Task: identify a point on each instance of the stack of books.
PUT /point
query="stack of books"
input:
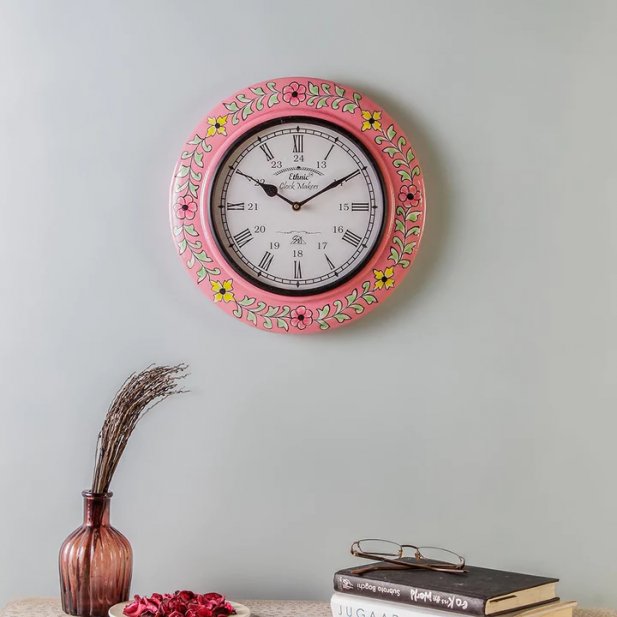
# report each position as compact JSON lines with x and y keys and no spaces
{"x":414,"y":592}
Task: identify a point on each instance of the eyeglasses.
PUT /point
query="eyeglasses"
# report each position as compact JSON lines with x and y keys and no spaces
{"x":395,"y":556}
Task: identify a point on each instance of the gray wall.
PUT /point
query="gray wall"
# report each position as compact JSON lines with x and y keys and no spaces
{"x":475,"y":410}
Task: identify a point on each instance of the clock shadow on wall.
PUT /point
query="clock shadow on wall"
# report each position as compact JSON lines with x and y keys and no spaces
{"x":436,"y":232}
{"x":298,"y":206}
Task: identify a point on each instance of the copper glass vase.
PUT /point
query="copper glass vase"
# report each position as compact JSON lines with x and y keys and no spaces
{"x":96,"y":562}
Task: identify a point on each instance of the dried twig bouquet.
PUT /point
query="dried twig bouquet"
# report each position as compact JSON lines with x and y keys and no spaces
{"x":140,"y":393}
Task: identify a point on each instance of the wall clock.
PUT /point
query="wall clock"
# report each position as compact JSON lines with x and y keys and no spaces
{"x":297,"y":205}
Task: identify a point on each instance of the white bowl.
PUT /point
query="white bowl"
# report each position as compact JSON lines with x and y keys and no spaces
{"x":241,"y":610}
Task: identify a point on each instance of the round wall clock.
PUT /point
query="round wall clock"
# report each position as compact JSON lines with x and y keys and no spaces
{"x":297,"y":205}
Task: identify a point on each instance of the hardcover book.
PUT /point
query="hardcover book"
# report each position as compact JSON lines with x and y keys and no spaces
{"x":478,"y":591}
{"x":347,"y":605}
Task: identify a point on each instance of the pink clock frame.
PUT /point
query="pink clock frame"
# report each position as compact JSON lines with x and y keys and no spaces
{"x":403,"y":192}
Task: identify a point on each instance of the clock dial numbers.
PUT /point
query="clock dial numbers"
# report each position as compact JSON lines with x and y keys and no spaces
{"x":336,"y":213}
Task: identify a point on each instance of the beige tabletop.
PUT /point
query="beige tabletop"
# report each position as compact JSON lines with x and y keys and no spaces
{"x":50,"y":607}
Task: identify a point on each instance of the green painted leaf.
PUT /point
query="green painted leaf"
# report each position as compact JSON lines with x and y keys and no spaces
{"x":391,"y":151}
{"x":410,"y":155}
{"x":404,"y":263}
{"x":201,"y":274}
{"x":326,"y":88}
{"x":251,"y":317}
{"x":267,"y":322}
{"x":311,"y":101}
{"x":404,"y":174}
{"x":396,"y":240}
{"x":336,"y":103}
{"x":182,"y":246}
{"x":237,"y":311}
{"x":260,"y":307}
{"x":191,"y":261}
{"x":370,"y":298}
{"x":399,"y":162}
{"x":193,"y":189}
{"x":258,"y":91}
{"x":181,"y":186}
{"x":357,"y":98}
{"x":366,"y":286}
{"x":338,"y":305}
{"x":243,"y":98}
{"x":351,"y":298}
{"x":324,"y":325}
{"x":233,"y":106}
{"x":196,"y":175}
{"x":246,"y":301}
{"x":196,"y":139}
{"x":199,"y":156}
{"x":281,"y":323}
{"x":410,"y":247}
{"x":246,"y":112}
{"x":415,"y":231}
{"x":413,"y":216}
{"x":177,"y":230}
{"x":273,"y":100}
{"x":322,"y":313}
{"x":186,"y":155}
{"x":313,"y":89}
{"x":271,"y":312}
{"x":358,"y":308}
{"x":400,"y":226}
{"x":394,"y":256}
{"x":400,"y":210}
{"x":259,"y":105}
{"x":401,"y":143}
{"x":202,"y":257}
{"x":190,"y":230}
{"x":415,"y":171}
{"x":391,"y":133}
{"x":350,"y":107}
{"x":341,"y":317}
{"x":339,"y":91}
{"x":322,"y":102}
{"x":271,"y":86}
{"x":183,"y":171}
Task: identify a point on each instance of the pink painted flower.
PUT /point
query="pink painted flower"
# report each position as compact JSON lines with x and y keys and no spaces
{"x":185,"y":207}
{"x":410,"y":193}
{"x":301,"y":317}
{"x":294,"y":93}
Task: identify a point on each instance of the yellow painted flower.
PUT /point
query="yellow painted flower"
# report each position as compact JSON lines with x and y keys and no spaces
{"x":371,"y":120}
{"x":384,"y":278}
{"x":223,"y":291}
{"x":217,"y":125}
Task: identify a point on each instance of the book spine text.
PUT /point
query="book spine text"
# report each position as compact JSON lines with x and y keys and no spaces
{"x":404,"y":594}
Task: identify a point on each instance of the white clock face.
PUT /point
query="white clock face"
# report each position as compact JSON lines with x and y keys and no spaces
{"x":298,"y":206}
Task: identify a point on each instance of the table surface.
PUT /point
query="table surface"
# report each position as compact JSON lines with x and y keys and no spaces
{"x":50,"y":607}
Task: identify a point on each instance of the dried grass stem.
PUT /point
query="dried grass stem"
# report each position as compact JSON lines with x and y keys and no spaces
{"x":138,"y":395}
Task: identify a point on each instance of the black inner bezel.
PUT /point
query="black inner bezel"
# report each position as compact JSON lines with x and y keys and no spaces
{"x":255,"y":280}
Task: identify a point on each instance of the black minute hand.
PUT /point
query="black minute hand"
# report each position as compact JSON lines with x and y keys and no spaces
{"x":270,"y":189}
{"x":331,"y":186}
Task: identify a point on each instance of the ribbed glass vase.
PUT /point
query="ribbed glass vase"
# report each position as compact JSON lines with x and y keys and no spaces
{"x":96,"y":562}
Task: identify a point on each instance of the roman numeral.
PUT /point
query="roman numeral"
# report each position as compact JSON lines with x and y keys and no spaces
{"x":352,"y":238}
{"x":243,"y":237}
{"x":238,"y":206}
{"x":266,"y":150}
{"x":298,"y":143}
{"x":266,"y":260}
{"x":297,"y":270}
{"x":332,"y":266}
{"x":359,"y":206}
{"x":325,"y":158}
